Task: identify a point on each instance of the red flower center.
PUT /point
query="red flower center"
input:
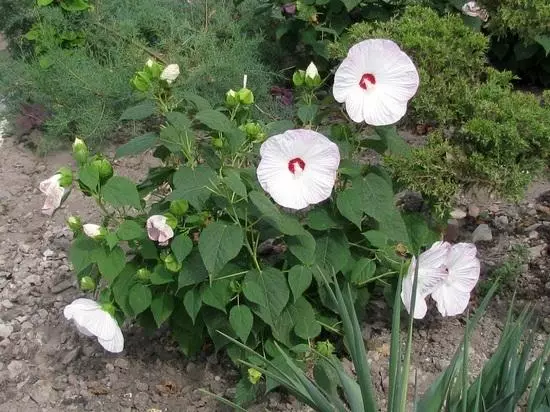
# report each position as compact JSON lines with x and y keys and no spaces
{"x":367,"y":80}
{"x":296,"y":161}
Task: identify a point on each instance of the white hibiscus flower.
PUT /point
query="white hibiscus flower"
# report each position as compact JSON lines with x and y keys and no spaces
{"x":298,"y":168}
{"x":91,"y":320}
{"x":375,"y":81}
{"x":158,"y":230}
{"x":54,"y":193}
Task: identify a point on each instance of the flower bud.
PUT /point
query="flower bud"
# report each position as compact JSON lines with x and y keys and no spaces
{"x":94,"y":231}
{"x":312,"y":77}
{"x":109,"y":308}
{"x":104,"y":168}
{"x":154,"y":69}
{"x":141,"y":82}
{"x":87,"y":284}
{"x":74,"y":223}
{"x":299,"y":78}
{"x":246,"y":96}
{"x":231,"y":98}
{"x":171,"y":220}
{"x":179,"y":207}
{"x":80,"y":151}
{"x":254,"y":376}
{"x":171,"y":263}
{"x":66,"y":177}
{"x":217,"y":142}
{"x":143,"y":274}
{"x":325,"y":348}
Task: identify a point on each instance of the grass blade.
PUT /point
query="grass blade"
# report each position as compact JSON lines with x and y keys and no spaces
{"x":395,"y":348}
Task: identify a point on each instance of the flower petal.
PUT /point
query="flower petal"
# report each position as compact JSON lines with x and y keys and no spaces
{"x":54,"y":194}
{"x":450,"y":302}
{"x":464,"y":267}
{"x":114,"y":345}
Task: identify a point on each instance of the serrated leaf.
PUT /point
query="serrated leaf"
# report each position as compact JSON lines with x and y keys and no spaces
{"x":177,"y":139}
{"x":83,"y":252}
{"x":192,"y":185}
{"x":199,"y":102}
{"x":320,"y":219}
{"x":193,"y":271}
{"x":121,"y":287}
{"x":303,"y":247}
{"x":392,"y":142}
{"x":364,"y":270}
{"x":162,"y":307}
{"x":111,"y":239}
{"x":305,"y":324}
{"x":193,"y":303}
{"x":217,"y":121}
{"x":241,"y":320}
{"x":269,"y":212}
{"x":121,"y":191}
{"x":348,"y":203}
{"x":299,"y":279}
{"x":332,"y":251}
{"x":307,"y":113}
{"x":351,"y":4}
{"x":218,"y":244}
{"x":218,"y":294}
{"x":139,"y":112}
{"x":140,"y":298}
{"x":89,"y":176}
{"x":111,"y":262}
{"x":130,"y":230}
{"x":269,"y":290}
{"x":181,"y":245}
{"x":278,"y":127}
{"x":233,"y":181}
{"x":137,"y":145}
{"x":162,"y":276}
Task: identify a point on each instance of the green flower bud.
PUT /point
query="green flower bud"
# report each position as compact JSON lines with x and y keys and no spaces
{"x":103,"y":167}
{"x":254,"y":376}
{"x":217,"y":143}
{"x":179,"y":207}
{"x":143,"y":274}
{"x":246,"y":96}
{"x":109,"y":308}
{"x":74,"y":223}
{"x":231,"y":98}
{"x":325,"y":348}
{"x":141,"y":82}
{"x":87,"y":284}
{"x":153,"y":68}
{"x":312,"y":77}
{"x":66,"y":179}
{"x":235,"y":286}
{"x":80,"y":151}
{"x":171,"y":263}
{"x":299,"y":78}
{"x":171,"y":220}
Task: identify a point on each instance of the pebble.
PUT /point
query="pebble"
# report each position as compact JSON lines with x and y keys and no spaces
{"x":458,"y":214}
{"x":16,"y":368}
{"x":502,"y":222}
{"x":473,"y":211}
{"x":536,"y":251}
{"x":482,"y":233}
{"x":5,"y":330}
{"x":48,"y":253}
{"x":122,"y":363}
{"x":533,"y":234}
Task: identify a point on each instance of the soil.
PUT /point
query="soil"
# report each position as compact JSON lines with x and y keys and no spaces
{"x":45,"y":365}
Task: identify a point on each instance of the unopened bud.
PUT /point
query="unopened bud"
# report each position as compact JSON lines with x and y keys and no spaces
{"x":66,"y":178}
{"x":171,"y":263}
{"x":80,"y":151}
{"x":93,"y":231}
{"x":143,"y":274}
{"x":104,"y":168}
{"x":254,"y":376}
{"x":74,"y":223}
{"x":246,"y":96}
{"x":312,"y":77}
{"x":109,"y":308}
{"x":299,"y":78}
{"x":231,"y":98}
{"x":325,"y":348}
{"x":179,"y":207}
{"x":87,"y":284}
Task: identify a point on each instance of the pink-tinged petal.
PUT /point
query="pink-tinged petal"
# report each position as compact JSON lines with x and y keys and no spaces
{"x":355,"y":103}
{"x":464,"y":267}
{"x":450,"y":302}
{"x":158,"y":230}
{"x":346,"y":79}
{"x":54,"y":194}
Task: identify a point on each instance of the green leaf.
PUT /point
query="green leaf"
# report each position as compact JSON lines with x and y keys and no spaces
{"x":278,"y":127}
{"x":218,"y":244}
{"x":320,"y":219}
{"x":544,"y":41}
{"x":83,"y":252}
{"x":181,"y":245}
{"x":74,"y":5}
{"x":190,"y":336}
{"x":268,"y":211}
{"x":218,"y":294}
{"x":89,"y":176}
{"x":269,"y":290}
{"x":299,"y":279}
{"x":111,"y":239}
{"x":130,"y":230}
{"x":233,"y":181}
{"x":199,"y":102}
{"x":303,"y":247}
{"x":193,"y":271}
{"x":192,"y":185}
{"x":193,"y":303}
{"x":140,"y":112}
{"x":137,"y":145}
{"x":178,"y":139}
{"x":148,"y":249}
{"x":348,"y":203}
{"x":420,"y":234}
{"x":351,"y":4}
{"x":245,"y":393}
{"x":241,"y":319}
{"x":307,"y":113}
{"x":162,"y":276}
{"x":305,"y":324}
{"x":44,"y":2}
{"x":162,"y":307}
{"x":332,"y":252}
{"x":364,"y":270}
{"x":217,"y":121}
{"x":121,"y":191}
{"x":393,"y":143}
{"x":140,"y":298}
{"x":110,"y":263}
{"x":121,"y":287}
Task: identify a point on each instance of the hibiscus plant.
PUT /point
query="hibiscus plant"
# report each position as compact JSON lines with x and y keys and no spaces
{"x":238,"y":228}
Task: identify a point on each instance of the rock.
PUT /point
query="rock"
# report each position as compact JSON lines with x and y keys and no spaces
{"x":502,"y":222}
{"x":48,"y":253}
{"x":458,"y":214}
{"x":70,"y":356}
{"x":482,"y":233}
{"x":122,"y":363}
{"x":5,"y":330}
{"x":16,"y":368}
{"x":62,"y":286}
{"x":533,"y":234}
{"x":41,"y":392}
{"x":452,"y":230}
{"x":536,"y":251}
{"x":473,"y":211}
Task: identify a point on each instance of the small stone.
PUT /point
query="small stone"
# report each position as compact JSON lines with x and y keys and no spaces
{"x":16,"y":368}
{"x":482,"y":233}
{"x":110,"y":367}
{"x":217,"y":378}
{"x":494,"y":208}
{"x":458,"y":214}
{"x":452,"y":230}
{"x":70,"y":356}
{"x":5,"y":330}
{"x":48,"y":253}
{"x":533,"y":234}
{"x":7,"y":304}
{"x":536,"y":251}
{"x":532,"y":227}
{"x":122,"y":363}
{"x":502,"y":222}
{"x":473,"y":211}
{"x":142,"y":387}
{"x":41,"y":392}
{"x":62,"y":286}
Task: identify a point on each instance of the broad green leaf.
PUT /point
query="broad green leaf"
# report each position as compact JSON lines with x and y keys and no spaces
{"x":181,"y":245}
{"x":121,"y":288}
{"x":192,"y":185}
{"x":320,"y":219}
{"x":193,"y":271}
{"x":89,"y":176}
{"x":137,"y":145}
{"x":303,"y":247}
{"x":278,"y":127}
{"x":190,"y":336}
{"x":305,"y":324}
{"x":217,"y":121}
{"x":332,"y":252}
{"x":218,"y":244}
{"x":74,"y":5}
{"x":393,"y":143}
{"x":284,"y":223}
{"x":44,"y":2}
{"x":364,"y":270}
{"x":269,"y":290}
{"x":544,"y":41}
{"x":121,"y":191}
{"x":140,"y":298}
{"x":148,"y":249}
{"x":111,"y":239}
{"x":140,"y":112}
{"x":307,"y":113}
{"x":178,"y":135}
{"x":348,"y":203}
{"x":245,"y":393}
{"x":233,"y":181}
{"x":130,"y":230}
{"x":351,"y":4}
{"x":420,"y":234}
{"x":217,"y":322}
{"x":241,"y":319}
{"x":218,"y":294}
{"x":111,"y":262}
{"x":162,"y":307}
{"x":299,"y":279}
{"x":199,"y":102}
{"x":193,"y":303}
{"x":162,"y":276}
{"x":83,"y":252}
